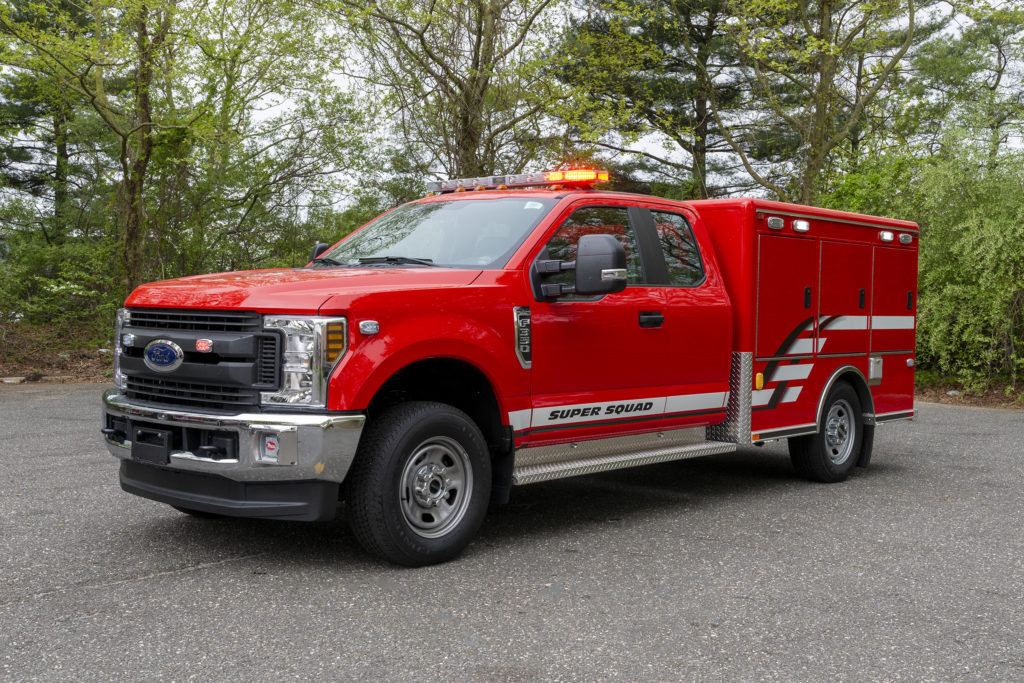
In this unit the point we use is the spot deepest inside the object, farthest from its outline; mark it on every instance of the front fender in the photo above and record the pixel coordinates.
(372, 360)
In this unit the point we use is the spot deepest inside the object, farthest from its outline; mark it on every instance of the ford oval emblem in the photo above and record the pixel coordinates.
(163, 355)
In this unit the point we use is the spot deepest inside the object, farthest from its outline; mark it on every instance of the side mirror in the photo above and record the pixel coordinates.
(319, 248)
(600, 265)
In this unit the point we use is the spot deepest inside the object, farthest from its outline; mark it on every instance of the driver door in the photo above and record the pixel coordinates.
(595, 358)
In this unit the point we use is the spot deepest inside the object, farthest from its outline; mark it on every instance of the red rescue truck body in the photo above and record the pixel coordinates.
(530, 334)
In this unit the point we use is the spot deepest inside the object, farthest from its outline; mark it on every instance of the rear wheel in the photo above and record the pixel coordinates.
(830, 454)
(419, 487)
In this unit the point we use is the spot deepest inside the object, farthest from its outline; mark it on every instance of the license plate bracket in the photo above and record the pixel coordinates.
(152, 446)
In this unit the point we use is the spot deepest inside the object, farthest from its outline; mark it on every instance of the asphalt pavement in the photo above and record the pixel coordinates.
(722, 568)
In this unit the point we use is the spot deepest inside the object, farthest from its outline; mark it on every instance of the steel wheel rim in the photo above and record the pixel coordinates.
(435, 488)
(839, 432)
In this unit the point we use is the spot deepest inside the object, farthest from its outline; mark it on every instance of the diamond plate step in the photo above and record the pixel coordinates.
(533, 473)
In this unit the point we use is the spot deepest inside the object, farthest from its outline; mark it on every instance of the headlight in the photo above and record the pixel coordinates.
(124, 316)
(312, 348)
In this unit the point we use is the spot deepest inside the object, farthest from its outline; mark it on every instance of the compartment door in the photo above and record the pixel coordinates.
(845, 298)
(787, 296)
(894, 304)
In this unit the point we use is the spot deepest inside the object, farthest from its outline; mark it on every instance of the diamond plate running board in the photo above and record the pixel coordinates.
(533, 473)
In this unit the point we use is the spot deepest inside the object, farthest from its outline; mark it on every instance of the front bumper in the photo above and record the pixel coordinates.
(312, 456)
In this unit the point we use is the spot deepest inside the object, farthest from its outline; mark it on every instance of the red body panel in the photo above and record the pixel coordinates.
(792, 298)
(298, 291)
(846, 291)
(787, 295)
(800, 349)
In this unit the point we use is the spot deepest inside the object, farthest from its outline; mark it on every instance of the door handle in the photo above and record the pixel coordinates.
(651, 319)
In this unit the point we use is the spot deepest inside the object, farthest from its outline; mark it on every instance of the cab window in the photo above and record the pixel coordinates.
(682, 257)
(594, 220)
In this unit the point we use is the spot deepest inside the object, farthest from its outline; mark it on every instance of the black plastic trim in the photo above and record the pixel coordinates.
(304, 501)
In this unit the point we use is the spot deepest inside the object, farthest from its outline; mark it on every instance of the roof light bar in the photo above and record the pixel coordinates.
(579, 177)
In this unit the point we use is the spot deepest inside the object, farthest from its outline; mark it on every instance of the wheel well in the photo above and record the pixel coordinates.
(852, 376)
(459, 384)
(855, 379)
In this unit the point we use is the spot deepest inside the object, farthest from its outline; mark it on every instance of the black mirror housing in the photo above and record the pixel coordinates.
(600, 265)
(319, 248)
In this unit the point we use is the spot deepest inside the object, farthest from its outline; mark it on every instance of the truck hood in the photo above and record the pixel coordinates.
(300, 290)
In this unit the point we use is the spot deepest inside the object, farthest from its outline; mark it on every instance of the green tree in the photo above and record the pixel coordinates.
(815, 66)
(459, 82)
(180, 86)
(971, 80)
(631, 77)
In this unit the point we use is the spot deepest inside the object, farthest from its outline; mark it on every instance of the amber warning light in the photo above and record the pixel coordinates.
(576, 178)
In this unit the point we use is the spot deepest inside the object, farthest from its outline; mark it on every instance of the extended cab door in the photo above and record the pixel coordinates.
(651, 357)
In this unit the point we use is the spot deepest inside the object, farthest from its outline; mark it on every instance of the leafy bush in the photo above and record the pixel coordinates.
(971, 270)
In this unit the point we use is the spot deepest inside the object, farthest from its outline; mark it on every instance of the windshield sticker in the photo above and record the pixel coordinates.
(533, 205)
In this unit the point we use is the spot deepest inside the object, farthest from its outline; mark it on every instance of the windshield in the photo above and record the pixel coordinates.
(478, 233)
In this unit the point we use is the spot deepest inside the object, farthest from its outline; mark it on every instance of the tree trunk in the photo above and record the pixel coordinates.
(60, 172)
(700, 148)
(134, 229)
(135, 160)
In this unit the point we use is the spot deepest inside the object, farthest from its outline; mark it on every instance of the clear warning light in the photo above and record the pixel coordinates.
(204, 345)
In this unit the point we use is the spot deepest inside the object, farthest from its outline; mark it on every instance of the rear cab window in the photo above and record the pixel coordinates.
(679, 248)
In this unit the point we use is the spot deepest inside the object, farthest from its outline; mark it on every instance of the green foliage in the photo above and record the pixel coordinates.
(69, 284)
(151, 139)
(462, 84)
(637, 67)
(971, 270)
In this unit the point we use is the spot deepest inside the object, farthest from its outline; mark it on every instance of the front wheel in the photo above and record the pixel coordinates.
(419, 487)
(830, 454)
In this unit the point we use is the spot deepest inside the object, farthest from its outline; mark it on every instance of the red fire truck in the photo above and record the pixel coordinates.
(510, 330)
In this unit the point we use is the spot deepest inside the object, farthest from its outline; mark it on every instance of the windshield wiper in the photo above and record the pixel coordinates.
(397, 259)
(329, 261)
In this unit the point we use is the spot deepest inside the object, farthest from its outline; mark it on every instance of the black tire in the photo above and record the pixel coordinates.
(420, 483)
(830, 454)
(198, 513)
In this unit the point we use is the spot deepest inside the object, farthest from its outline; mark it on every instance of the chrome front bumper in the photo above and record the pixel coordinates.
(311, 447)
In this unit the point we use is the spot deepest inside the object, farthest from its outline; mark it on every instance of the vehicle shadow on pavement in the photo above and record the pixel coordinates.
(635, 492)
(536, 511)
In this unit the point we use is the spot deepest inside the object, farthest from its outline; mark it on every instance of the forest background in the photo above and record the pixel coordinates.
(151, 139)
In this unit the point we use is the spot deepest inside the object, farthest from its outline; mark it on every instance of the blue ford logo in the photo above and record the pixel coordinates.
(162, 355)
